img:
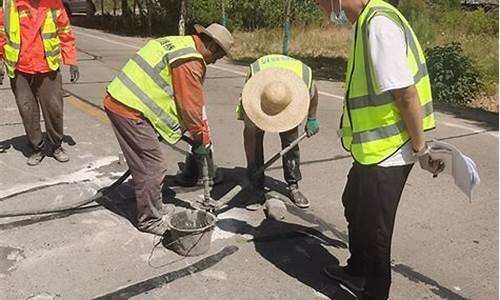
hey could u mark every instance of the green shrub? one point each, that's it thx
(306, 12)
(251, 15)
(454, 79)
(204, 12)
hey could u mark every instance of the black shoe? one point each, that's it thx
(355, 283)
(297, 197)
(35, 158)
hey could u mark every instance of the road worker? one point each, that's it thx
(35, 39)
(159, 92)
(261, 114)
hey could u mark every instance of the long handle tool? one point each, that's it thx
(208, 203)
(222, 202)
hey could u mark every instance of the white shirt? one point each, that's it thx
(387, 46)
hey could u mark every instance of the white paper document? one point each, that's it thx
(462, 168)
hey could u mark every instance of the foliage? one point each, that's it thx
(454, 79)
(259, 24)
(441, 22)
(251, 15)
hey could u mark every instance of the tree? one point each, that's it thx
(125, 11)
(182, 18)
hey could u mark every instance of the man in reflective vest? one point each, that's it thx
(387, 109)
(159, 92)
(253, 133)
(35, 38)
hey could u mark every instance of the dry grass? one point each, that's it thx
(316, 42)
(487, 103)
(325, 50)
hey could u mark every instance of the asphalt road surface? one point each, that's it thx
(444, 246)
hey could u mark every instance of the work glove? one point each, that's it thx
(74, 73)
(312, 127)
(2, 71)
(200, 146)
(434, 166)
(201, 150)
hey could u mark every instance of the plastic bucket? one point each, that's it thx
(191, 232)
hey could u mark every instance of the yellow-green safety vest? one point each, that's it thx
(279, 61)
(12, 30)
(145, 83)
(372, 128)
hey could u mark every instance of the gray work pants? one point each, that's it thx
(141, 148)
(35, 91)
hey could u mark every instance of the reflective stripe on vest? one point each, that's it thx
(372, 99)
(371, 124)
(158, 111)
(51, 43)
(13, 36)
(180, 53)
(50, 39)
(145, 83)
(387, 131)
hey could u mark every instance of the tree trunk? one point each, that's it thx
(182, 18)
(286, 26)
(125, 11)
(224, 17)
(149, 6)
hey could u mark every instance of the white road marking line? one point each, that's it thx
(473, 130)
(87, 173)
(244, 74)
(107, 40)
(467, 128)
(331, 95)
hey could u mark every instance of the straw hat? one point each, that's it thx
(275, 100)
(219, 34)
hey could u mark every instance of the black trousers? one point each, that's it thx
(370, 199)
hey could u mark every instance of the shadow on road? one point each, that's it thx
(21, 144)
(472, 116)
(143, 287)
(297, 250)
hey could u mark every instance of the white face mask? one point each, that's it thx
(341, 19)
